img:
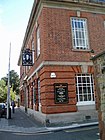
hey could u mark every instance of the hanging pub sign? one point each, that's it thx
(27, 59)
(61, 93)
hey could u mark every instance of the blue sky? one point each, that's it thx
(14, 16)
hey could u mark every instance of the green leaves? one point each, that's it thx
(3, 91)
(14, 86)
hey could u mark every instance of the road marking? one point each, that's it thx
(79, 129)
(31, 134)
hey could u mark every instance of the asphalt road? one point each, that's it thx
(86, 133)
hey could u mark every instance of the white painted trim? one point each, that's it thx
(86, 103)
(58, 63)
(72, 6)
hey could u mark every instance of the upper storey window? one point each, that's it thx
(79, 33)
(38, 41)
(33, 50)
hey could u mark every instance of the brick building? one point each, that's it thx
(60, 87)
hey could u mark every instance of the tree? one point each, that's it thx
(3, 91)
(14, 81)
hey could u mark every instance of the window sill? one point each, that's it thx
(86, 103)
(81, 50)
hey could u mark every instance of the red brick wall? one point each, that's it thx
(56, 34)
(64, 74)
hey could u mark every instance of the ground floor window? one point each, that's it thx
(84, 88)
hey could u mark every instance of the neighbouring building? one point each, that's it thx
(62, 35)
(99, 68)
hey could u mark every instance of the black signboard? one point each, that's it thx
(27, 59)
(61, 93)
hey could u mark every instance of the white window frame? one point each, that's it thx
(79, 33)
(87, 86)
(38, 41)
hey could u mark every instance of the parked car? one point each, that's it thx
(3, 110)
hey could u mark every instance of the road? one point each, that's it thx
(86, 133)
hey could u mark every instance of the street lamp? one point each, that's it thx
(8, 93)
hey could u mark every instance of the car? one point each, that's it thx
(3, 110)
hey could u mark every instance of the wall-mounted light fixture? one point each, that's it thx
(53, 75)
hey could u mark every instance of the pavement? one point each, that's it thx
(21, 122)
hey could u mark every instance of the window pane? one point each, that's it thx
(80, 90)
(85, 97)
(38, 42)
(80, 98)
(89, 97)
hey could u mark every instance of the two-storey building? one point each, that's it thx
(62, 34)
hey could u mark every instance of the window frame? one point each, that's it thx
(81, 33)
(88, 85)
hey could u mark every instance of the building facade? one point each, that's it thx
(63, 35)
(99, 68)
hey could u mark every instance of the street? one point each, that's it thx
(86, 133)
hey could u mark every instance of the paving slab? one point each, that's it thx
(22, 122)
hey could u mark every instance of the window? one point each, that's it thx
(84, 88)
(33, 50)
(38, 42)
(79, 33)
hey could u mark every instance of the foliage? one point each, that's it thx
(14, 86)
(3, 91)
(14, 81)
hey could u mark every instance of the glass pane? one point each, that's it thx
(76, 91)
(79, 79)
(88, 80)
(75, 24)
(85, 97)
(92, 79)
(84, 90)
(80, 90)
(77, 98)
(81, 24)
(93, 97)
(80, 98)
(89, 97)
(89, 89)
(84, 80)
(72, 24)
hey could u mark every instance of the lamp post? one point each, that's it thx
(8, 93)
(25, 92)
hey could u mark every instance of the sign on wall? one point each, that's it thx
(61, 93)
(27, 59)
